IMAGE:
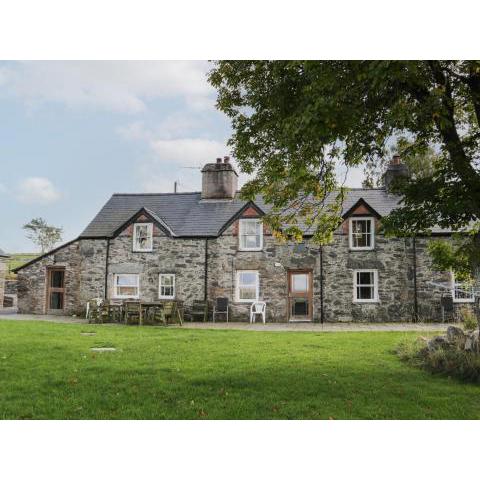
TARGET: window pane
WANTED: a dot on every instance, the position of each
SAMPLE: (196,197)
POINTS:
(251,241)
(247,293)
(56,301)
(299,307)
(166,291)
(143,237)
(365,278)
(127,280)
(127,291)
(167,285)
(248,278)
(250,228)
(300,282)
(361,233)
(365,293)
(56,279)
(250,234)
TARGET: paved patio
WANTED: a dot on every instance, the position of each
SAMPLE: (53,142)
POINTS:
(269,327)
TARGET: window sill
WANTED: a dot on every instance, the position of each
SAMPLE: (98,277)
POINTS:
(142,251)
(464,300)
(250,249)
(366,301)
(245,301)
(361,249)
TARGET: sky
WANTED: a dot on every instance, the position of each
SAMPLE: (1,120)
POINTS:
(73,133)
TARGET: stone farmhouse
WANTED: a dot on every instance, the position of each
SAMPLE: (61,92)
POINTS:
(210,244)
(3,272)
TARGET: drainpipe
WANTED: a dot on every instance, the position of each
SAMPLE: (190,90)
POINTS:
(107,254)
(205,287)
(322,314)
(415,294)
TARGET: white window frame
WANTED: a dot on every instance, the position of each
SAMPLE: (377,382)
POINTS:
(372,233)
(375,298)
(166,297)
(237,287)
(241,227)
(460,286)
(136,248)
(115,293)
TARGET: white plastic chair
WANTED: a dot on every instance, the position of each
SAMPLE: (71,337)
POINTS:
(257,308)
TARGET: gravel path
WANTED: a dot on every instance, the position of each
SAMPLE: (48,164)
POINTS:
(269,327)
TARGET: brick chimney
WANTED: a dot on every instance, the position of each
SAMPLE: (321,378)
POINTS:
(219,180)
(396,169)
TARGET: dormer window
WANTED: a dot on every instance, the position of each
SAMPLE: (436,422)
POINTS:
(142,237)
(362,233)
(250,234)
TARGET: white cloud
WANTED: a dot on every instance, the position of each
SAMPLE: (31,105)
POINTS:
(351,177)
(3,188)
(122,86)
(178,160)
(37,190)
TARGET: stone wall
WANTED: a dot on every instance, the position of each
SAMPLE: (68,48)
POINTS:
(183,257)
(32,280)
(393,258)
(3,272)
(225,259)
(85,261)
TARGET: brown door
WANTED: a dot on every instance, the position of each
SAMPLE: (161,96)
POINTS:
(300,306)
(56,289)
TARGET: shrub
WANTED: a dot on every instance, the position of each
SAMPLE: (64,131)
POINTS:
(447,361)
(468,318)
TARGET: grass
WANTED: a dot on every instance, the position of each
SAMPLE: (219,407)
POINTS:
(16,260)
(47,371)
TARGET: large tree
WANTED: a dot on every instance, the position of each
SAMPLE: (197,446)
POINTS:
(42,234)
(421,162)
(294,121)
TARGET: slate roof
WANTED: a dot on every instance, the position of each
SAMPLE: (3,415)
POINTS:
(3,254)
(186,215)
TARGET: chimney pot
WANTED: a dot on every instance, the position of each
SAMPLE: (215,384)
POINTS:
(219,180)
(395,170)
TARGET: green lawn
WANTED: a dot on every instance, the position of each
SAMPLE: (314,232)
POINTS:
(17,259)
(48,371)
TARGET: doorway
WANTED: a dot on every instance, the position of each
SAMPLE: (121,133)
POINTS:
(55,288)
(300,306)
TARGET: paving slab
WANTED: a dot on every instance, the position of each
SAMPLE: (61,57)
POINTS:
(269,327)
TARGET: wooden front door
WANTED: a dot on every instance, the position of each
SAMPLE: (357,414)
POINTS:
(300,297)
(55,288)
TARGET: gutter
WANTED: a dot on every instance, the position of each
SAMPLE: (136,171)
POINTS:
(107,254)
(205,277)
(322,312)
(415,289)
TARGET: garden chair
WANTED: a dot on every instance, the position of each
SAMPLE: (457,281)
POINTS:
(257,308)
(172,312)
(199,309)
(220,307)
(156,314)
(92,311)
(132,311)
